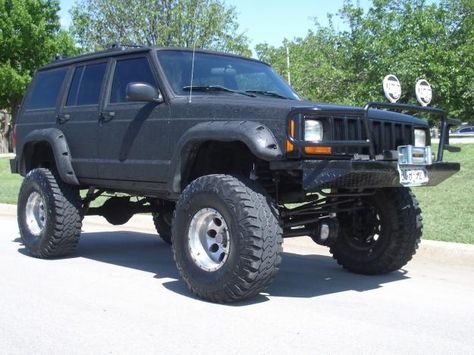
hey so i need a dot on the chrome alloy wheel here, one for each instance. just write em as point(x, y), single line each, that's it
point(208, 239)
point(35, 213)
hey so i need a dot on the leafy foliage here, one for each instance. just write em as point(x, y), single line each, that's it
point(409, 38)
point(30, 36)
point(178, 23)
point(317, 65)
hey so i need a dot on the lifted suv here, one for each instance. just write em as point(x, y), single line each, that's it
point(227, 158)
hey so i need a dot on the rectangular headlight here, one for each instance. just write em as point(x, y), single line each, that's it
point(420, 138)
point(313, 131)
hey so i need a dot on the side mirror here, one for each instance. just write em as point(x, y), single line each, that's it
point(143, 92)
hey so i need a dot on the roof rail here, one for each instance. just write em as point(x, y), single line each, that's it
point(121, 46)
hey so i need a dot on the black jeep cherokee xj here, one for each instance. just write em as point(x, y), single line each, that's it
point(227, 158)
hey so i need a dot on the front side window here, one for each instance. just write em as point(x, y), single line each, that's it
point(45, 90)
point(86, 85)
point(225, 72)
point(129, 71)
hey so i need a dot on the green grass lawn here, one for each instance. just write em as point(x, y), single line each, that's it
point(447, 213)
point(447, 208)
point(9, 183)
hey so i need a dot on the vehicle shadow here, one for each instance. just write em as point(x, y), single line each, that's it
point(299, 276)
point(318, 275)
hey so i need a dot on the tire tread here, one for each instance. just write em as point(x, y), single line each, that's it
point(67, 219)
point(405, 215)
point(260, 254)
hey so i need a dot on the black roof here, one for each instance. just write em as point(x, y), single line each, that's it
point(124, 50)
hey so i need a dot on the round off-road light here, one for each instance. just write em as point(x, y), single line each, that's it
point(392, 88)
point(423, 91)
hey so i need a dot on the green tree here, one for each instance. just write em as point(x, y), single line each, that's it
point(462, 76)
point(317, 65)
point(179, 23)
point(30, 36)
point(412, 39)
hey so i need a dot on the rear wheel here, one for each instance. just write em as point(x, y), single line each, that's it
point(382, 236)
point(49, 215)
point(226, 238)
point(162, 222)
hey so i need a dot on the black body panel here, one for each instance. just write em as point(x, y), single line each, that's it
point(14, 166)
point(257, 137)
point(145, 147)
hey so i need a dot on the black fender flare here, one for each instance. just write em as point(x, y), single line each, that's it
point(256, 136)
point(62, 156)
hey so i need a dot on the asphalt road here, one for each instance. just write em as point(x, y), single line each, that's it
point(121, 295)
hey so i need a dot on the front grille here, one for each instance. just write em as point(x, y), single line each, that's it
point(386, 135)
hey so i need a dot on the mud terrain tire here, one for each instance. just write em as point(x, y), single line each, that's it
point(49, 215)
point(239, 215)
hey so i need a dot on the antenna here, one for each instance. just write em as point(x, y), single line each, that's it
point(192, 73)
point(194, 56)
point(288, 64)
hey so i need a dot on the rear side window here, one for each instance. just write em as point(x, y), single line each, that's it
point(128, 71)
point(86, 84)
point(45, 90)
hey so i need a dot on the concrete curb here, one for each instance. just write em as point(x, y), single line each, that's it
point(436, 251)
point(8, 210)
point(7, 155)
point(447, 253)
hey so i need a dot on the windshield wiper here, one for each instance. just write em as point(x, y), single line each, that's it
point(267, 93)
point(210, 88)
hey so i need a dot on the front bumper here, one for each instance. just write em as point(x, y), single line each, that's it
point(318, 174)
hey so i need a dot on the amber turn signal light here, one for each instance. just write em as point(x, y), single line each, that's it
point(318, 150)
point(290, 146)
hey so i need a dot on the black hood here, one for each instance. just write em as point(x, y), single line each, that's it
point(224, 106)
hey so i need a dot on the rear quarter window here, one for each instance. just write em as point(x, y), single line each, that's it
point(45, 89)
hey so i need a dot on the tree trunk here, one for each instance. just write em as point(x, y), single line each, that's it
point(3, 144)
point(5, 122)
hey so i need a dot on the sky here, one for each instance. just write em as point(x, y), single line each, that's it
point(268, 21)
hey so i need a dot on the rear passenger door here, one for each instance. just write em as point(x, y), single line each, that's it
point(133, 135)
point(79, 116)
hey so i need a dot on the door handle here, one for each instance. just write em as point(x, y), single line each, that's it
point(107, 116)
point(63, 118)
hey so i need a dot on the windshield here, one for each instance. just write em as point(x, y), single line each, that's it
point(220, 74)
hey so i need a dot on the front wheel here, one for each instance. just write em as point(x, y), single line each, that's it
point(381, 236)
point(226, 238)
